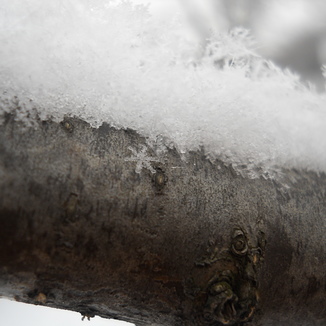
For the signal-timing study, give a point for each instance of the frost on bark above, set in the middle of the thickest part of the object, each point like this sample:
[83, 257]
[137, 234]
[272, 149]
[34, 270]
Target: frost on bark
[93, 221]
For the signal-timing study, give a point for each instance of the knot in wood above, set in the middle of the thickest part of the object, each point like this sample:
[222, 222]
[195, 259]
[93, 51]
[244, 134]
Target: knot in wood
[232, 294]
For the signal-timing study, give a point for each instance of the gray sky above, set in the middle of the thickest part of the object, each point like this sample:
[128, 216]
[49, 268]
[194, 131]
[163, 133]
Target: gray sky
[17, 314]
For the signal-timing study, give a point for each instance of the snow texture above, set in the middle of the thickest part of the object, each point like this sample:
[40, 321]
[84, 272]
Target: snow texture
[110, 61]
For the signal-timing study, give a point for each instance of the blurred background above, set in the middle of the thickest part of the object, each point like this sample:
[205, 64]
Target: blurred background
[14, 313]
[291, 33]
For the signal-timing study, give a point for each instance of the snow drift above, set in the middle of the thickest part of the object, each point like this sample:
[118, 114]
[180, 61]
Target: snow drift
[112, 62]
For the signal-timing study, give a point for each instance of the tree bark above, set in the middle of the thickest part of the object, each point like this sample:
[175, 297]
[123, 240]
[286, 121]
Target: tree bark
[186, 241]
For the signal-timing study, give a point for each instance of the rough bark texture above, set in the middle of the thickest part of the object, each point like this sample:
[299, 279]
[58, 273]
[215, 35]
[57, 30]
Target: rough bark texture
[191, 244]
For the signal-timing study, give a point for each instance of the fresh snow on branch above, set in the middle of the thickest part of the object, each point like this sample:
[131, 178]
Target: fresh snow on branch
[110, 61]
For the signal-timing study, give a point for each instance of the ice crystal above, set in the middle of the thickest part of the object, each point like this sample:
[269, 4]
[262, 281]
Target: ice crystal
[142, 159]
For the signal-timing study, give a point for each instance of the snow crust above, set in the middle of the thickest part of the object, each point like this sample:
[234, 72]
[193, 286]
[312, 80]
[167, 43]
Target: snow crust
[110, 61]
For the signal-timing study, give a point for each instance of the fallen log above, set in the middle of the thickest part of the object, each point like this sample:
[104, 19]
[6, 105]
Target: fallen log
[92, 220]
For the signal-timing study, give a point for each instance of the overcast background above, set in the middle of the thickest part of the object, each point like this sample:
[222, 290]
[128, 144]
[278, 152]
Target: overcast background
[15, 314]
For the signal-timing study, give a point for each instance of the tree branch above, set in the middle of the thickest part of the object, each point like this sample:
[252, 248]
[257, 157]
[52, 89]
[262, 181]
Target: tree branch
[182, 242]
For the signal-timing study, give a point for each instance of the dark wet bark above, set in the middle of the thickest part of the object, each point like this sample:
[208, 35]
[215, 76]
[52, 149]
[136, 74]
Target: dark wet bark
[191, 244]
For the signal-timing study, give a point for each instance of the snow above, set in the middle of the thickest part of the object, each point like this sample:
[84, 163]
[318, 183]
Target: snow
[112, 61]
[142, 159]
